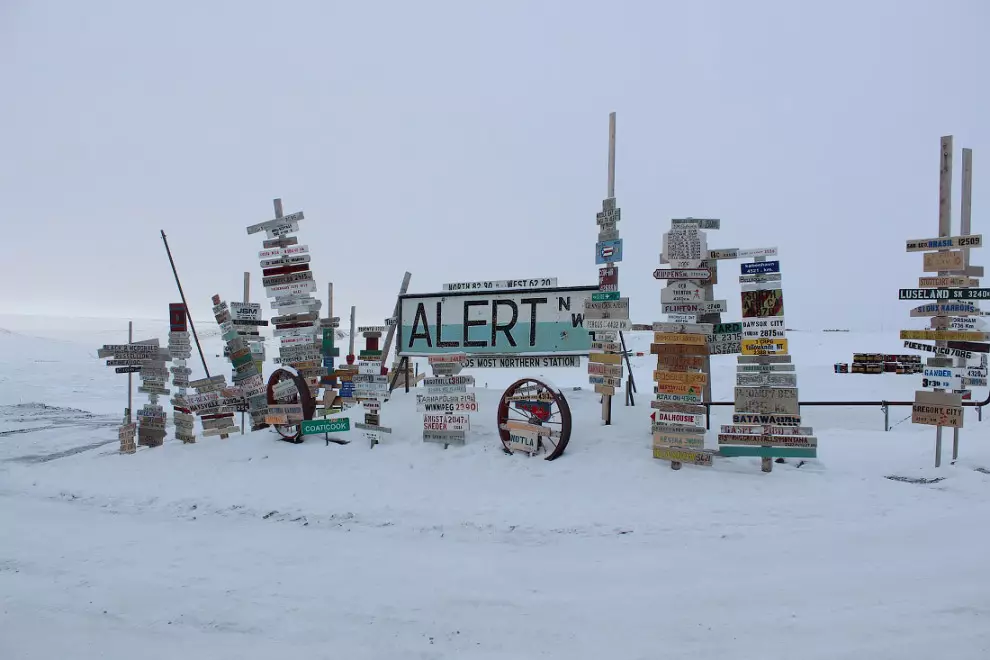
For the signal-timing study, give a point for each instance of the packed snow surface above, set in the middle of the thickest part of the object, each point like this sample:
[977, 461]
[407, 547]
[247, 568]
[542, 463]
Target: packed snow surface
[253, 548]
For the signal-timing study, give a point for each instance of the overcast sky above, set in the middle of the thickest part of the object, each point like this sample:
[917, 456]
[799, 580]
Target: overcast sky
[468, 140]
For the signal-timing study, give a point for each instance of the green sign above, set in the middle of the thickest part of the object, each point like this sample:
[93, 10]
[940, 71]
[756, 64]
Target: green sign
[328, 349]
[605, 295]
[244, 359]
[726, 328]
[370, 354]
[310, 426]
[769, 452]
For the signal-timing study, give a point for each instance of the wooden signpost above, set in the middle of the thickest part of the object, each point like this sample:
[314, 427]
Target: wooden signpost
[289, 282]
[147, 360]
[180, 349]
[954, 330]
[370, 384]
[685, 343]
[606, 314]
[248, 390]
[766, 385]
[446, 416]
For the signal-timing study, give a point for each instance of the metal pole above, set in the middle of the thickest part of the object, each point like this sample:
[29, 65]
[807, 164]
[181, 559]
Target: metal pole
[247, 299]
[186, 305]
[130, 386]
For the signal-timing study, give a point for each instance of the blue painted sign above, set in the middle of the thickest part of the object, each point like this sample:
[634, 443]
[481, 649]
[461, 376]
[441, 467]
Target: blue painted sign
[608, 251]
[347, 389]
[760, 268]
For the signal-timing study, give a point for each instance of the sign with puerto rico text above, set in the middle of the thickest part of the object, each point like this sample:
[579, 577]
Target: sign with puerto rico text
[535, 321]
[608, 252]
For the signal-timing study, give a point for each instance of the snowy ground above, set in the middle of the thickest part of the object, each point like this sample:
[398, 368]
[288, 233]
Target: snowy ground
[253, 548]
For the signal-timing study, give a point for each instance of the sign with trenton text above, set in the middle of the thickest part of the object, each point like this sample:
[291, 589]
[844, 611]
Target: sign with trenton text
[535, 321]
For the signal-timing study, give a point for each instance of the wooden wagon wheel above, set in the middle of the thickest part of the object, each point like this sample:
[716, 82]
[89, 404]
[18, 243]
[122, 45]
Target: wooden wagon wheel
[531, 401]
[291, 432]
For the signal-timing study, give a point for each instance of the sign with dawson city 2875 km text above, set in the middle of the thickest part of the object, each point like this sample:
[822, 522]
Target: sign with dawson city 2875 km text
[536, 321]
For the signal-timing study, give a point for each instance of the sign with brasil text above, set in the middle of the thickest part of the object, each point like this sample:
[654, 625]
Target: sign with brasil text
[534, 321]
[924, 244]
[943, 294]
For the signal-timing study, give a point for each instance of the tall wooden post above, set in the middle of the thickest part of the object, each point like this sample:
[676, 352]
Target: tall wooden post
[350, 350]
[607, 398]
[247, 299]
[944, 229]
[130, 379]
[966, 226]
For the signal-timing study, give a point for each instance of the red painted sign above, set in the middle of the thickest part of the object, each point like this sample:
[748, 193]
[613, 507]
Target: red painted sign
[608, 279]
[177, 317]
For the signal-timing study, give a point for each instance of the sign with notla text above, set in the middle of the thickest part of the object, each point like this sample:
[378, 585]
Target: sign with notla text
[535, 321]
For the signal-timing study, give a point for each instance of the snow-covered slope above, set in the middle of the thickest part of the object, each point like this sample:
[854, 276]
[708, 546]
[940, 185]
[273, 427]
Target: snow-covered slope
[253, 548]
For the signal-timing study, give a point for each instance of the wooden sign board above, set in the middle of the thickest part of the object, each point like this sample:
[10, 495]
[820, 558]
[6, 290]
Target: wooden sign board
[692, 456]
[762, 303]
[944, 261]
[701, 223]
[763, 346]
[933, 415]
[501, 285]
[928, 244]
[778, 420]
[610, 370]
[679, 349]
[728, 253]
[686, 440]
[680, 362]
[682, 273]
[754, 253]
[661, 398]
[607, 324]
[943, 294]
[946, 309]
[702, 307]
[767, 440]
[681, 419]
[944, 335]
[678, 388]
[684, 328]
[679, 338]
[765, 401]
[690, 378]
[766, 379]
[763, 359]
[947, 281]
[671, 406]
[605, 358]
[755, 328]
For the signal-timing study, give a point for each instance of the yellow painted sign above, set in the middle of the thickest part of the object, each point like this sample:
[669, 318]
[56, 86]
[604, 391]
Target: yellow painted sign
[945, 335]
[605, 358]
[686, 377]
[666, 439]
[763, 346]
[675, 338]
[683, 455]
[679, 388]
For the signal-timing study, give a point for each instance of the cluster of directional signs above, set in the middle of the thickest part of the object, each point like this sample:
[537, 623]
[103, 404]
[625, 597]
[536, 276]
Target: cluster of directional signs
[148, 360]
[958, 357]
[447, 404]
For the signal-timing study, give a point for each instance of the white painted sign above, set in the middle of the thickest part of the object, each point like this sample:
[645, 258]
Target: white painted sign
[756, 252]
[446, 422]
[703, 307]
[501, 285]
[283, 252]
[265, 226]
[763, 328]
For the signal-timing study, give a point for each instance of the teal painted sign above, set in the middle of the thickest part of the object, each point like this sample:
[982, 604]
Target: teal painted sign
[605, 295]
[507, 322]
[340, 425]
[328, 347]
[769, 452]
